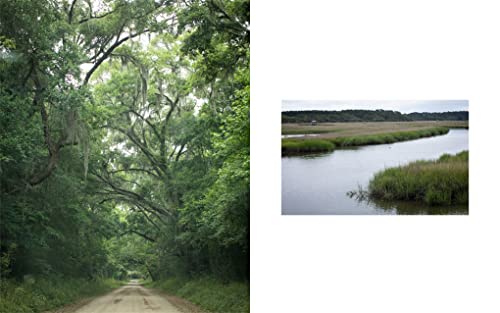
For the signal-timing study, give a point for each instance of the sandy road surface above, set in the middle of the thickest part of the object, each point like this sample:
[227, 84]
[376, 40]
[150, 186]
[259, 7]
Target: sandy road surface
[131, 298]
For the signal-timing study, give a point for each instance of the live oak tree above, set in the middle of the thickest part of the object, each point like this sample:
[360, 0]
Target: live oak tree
[50, 41]
[182, 173]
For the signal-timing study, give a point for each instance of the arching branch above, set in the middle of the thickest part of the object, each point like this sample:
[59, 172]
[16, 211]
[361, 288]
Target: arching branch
[108, 52]
[148, 238]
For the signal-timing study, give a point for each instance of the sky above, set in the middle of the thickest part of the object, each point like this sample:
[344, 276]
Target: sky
[403, 106]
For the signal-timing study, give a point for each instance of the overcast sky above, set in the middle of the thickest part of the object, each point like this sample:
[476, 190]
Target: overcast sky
[403, 106]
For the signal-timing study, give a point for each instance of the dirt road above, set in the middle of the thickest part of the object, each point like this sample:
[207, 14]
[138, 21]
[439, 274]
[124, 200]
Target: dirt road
[131, 298]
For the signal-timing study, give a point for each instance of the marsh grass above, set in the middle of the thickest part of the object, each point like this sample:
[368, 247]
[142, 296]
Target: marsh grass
[349, 129]
[441, 182]
[307, 145]
[291, 146]
[389, 137]
[309, 130]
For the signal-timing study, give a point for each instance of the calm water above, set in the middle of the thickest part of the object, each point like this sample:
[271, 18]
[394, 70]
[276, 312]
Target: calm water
[317, 184]
[299, 135]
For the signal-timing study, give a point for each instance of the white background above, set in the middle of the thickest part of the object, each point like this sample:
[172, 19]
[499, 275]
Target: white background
[375, 50]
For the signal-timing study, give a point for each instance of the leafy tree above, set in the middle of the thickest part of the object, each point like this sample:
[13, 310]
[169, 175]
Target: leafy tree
[369, 116]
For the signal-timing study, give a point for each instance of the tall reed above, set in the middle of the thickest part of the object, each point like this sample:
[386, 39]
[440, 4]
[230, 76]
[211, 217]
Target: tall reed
[441, 182]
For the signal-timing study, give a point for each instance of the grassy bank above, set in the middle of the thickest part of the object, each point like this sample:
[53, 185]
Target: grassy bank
[441, 182]
[210, 294]
[346, 129]
[389, 137]
[294, 146]
[305, 145]
[41, 294]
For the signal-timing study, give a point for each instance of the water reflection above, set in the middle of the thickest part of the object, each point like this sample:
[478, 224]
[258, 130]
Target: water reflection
[412, 208]
[298, 135]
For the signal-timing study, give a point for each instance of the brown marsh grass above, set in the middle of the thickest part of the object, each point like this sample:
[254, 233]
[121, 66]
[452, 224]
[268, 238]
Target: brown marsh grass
[335, 130]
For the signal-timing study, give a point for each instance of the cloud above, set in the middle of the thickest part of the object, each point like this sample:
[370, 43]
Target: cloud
[404, 106]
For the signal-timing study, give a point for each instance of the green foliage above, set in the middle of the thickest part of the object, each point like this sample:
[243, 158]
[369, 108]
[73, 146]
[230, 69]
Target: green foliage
[220, 39]
[41, 294]
[227, 200]
[209, 293]
[441, 182]
[369, 116]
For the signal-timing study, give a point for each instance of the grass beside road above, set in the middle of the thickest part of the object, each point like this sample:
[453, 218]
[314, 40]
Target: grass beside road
[210, 294]
[42, 294]
[441, 182]
[304, 145]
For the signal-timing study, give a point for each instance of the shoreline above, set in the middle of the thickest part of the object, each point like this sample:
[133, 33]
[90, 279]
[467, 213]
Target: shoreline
[306, 145]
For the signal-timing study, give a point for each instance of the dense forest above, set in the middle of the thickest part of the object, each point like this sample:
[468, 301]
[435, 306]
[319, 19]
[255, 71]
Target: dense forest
[124, 145]
[369, 116]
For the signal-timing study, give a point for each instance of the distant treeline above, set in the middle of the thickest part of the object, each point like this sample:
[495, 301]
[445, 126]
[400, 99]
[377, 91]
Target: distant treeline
[369, 116]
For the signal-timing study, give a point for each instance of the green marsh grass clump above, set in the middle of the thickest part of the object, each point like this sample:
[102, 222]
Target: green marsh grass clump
[42, 294]
[210, 294]
[388, 137]
[307, 145]
[291, 146]
[441, 182]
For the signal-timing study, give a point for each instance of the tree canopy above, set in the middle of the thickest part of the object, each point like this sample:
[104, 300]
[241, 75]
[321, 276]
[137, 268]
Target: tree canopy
[124, 138]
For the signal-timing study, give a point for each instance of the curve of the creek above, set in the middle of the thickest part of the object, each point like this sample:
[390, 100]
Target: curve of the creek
[319, 183]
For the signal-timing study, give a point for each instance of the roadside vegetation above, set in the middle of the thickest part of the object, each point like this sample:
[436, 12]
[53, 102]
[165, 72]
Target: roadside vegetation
[210, 294]
[304, 145]
[41, 294]
[441, 182]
